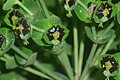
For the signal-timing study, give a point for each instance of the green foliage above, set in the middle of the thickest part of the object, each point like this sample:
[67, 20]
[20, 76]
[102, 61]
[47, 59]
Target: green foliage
[12, 76]
[9, 39]
[37, 38]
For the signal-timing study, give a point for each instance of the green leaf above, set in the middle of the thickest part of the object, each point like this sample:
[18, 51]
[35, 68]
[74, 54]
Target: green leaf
[6, 19]
[20, 59]
[117, 57]
[106, 37]
[90, 34]
[11, 76]
[117, 77]
[54, 20]
[36, 35]
[45, 24]
[31, 59]
[9, 3]
[81, 13]
[26, 51]
[37, 38]
[100, 39]
[118, 17]
[11, 63]
[34, 8]
[9, 39]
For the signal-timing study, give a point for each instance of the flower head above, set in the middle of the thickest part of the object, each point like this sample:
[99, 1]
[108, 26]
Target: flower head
[104, 10]
[109, 63]
[14, 15]
[23, 26]
[71, 2]
[55, 33]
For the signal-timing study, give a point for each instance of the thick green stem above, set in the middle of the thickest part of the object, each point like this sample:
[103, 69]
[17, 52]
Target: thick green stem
[66, 64]
[99, 50]
[44, 8]
[20, 52]
[25, 8]
[28, 69]
[94, 33]
[75, 33]
[108, 45]
[87, 66]
[82, 4]
[81, 55]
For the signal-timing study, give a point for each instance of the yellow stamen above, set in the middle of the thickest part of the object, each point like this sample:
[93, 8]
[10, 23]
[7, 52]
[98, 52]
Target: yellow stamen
[106, 11]
[56, 35]
[108, 65]
[20, 27]
[13, 17]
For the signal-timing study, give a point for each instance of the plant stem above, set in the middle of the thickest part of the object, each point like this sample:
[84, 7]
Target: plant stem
[108, 45]
[94, 47]
[81, 55]
[66, 64]
[75, 33]
[33, 71]
[99, 50]
[37, 64]
[105, 49]
[44, 8]
[82, 4]
[25, 8]
[28, 69]
[47, 71]
[94, 33]
[20, 52]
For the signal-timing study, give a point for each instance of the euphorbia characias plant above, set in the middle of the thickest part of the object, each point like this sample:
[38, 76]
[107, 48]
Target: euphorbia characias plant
[59, 39]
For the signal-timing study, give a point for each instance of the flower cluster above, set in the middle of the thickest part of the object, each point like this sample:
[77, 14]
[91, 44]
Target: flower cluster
[55, 33]
[19, 24]
[14, 15]
[104, 10]
[109, 63]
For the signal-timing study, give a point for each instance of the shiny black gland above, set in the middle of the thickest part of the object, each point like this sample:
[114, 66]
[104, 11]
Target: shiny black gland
[110, 62]
[15, 13]
[24, 26]
[1, 40]
[104, 10]
[55, 30]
